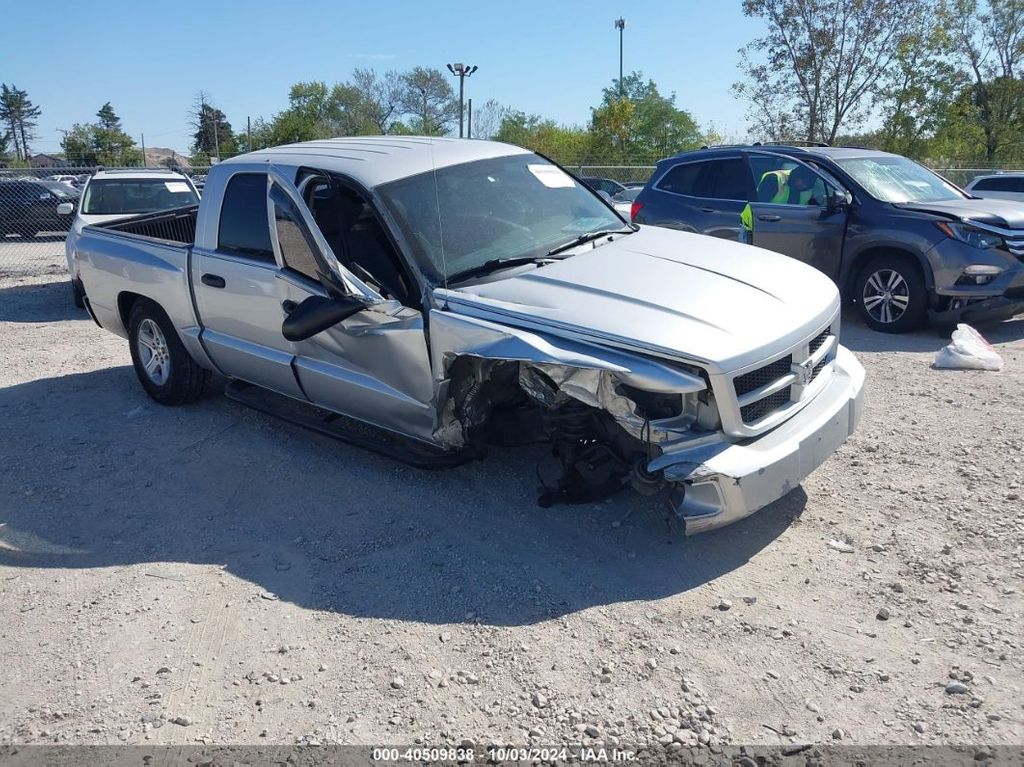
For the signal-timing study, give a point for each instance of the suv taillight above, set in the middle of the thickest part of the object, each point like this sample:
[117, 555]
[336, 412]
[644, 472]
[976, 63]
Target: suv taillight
[634, 209]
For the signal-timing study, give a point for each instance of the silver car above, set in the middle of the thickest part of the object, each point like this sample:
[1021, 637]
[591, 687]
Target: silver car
[432, 296]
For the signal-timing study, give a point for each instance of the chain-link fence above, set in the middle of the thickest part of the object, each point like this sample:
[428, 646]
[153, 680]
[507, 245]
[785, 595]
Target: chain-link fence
[37, 208]
[33, 227]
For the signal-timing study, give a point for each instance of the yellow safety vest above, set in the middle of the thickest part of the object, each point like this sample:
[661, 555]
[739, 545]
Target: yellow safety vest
[781, 197]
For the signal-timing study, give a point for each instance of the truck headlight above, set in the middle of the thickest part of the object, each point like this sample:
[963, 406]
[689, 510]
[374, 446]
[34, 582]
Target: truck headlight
[972, 235]
[979, 274]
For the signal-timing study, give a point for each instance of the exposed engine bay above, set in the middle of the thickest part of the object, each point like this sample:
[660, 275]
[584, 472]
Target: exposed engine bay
[602, 432]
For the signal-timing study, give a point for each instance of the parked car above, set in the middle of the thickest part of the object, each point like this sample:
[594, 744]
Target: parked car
[899, 240]
[29, 207]
[69, 180]
[112, 195]
[1008, 186]
[623, 201]
[609, 186]
[642, 355]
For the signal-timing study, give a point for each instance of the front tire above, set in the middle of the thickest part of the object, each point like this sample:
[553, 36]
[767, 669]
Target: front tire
[891, 294]
[165, 368]
[77, 293]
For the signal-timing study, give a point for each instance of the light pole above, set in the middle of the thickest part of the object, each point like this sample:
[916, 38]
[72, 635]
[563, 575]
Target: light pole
[620, 24]
[462, 71]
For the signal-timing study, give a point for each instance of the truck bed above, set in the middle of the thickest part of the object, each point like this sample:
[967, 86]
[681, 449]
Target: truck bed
[177, 225]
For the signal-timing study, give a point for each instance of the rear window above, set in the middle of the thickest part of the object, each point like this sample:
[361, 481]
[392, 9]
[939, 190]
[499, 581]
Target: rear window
[999, 184]
[244, 224]
[682, 179]
[124, 196]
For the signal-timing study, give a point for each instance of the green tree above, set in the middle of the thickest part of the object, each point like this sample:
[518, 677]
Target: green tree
[565, 144]
[816, 70]
[114, 146]
[429, 102]
[988, 43]
[19, 114]
[916, 91]
[642, 125]
[213, 137]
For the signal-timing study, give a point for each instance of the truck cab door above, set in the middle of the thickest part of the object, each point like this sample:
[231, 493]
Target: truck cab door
[814, 232]
[373, 366]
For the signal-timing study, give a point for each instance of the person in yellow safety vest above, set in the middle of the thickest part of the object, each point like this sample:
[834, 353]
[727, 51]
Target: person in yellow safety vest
[794, 186]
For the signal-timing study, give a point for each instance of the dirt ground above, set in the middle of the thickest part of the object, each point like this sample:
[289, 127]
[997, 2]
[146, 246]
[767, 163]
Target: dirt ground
[210, 574]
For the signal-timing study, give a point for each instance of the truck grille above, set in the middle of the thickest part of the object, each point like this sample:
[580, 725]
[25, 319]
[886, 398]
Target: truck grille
[780, 379]
[755, 379]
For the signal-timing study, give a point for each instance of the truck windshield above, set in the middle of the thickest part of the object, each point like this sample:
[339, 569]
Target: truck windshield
[138, 195]
[497, 210]
[897, 179]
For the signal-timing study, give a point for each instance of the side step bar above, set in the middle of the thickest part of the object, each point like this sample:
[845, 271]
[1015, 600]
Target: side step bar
[344, 429]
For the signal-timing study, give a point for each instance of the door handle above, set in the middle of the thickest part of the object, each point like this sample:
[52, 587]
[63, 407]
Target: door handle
[707, 210]
[213, 280]
[288, 306]
[769, 217]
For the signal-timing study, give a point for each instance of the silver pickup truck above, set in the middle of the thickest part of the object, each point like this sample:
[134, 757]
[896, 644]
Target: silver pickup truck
[425, 298]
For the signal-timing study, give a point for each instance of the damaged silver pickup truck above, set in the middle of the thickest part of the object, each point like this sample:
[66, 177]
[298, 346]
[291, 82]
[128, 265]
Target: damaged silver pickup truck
[427, 297]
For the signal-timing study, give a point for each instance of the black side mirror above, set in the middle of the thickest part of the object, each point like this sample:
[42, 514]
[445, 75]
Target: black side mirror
[838, 199]
[318, 313]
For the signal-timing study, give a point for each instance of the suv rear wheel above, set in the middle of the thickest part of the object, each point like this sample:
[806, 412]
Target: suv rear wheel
[891, 294]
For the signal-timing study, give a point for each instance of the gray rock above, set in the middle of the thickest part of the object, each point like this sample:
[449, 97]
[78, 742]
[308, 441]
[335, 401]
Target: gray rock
[397, 683]
[957, 688]
[592, 731]
[883, 614]
[184, 721]
[724, 605]
[539, 700]
[919, 727]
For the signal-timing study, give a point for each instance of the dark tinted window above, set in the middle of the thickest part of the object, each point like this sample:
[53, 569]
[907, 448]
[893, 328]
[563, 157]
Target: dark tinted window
[998, 184]
[244, 227]
[728, 180]
[682, 179]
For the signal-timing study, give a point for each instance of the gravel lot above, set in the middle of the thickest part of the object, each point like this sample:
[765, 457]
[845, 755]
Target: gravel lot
[209, 574]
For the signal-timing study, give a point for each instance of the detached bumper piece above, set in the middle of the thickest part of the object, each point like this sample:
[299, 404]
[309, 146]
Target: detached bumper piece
[723, 482]
[978, 312]
[345, 429]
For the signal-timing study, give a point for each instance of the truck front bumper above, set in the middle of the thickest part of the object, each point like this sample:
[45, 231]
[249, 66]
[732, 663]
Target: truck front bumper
[722, 483]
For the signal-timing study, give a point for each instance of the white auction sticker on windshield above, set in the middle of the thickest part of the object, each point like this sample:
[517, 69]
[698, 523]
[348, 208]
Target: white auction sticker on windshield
[177, 186]
[552, 177]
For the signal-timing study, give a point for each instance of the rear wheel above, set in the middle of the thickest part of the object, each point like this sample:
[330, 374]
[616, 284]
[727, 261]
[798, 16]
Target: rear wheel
[891, 294]
[165, 368]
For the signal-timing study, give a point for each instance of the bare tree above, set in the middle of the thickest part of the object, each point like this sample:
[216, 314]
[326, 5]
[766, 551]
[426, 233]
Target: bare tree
[487, 118]
[381, 96]
[817, 67]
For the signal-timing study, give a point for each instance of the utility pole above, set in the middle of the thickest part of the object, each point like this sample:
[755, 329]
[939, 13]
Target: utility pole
[469, 120]
[145, 164]
[248, 134]
[620, 24]
[462, 71]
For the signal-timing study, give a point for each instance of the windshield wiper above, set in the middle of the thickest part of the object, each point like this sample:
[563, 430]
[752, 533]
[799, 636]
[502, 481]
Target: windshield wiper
[494, 265]
[587, 238]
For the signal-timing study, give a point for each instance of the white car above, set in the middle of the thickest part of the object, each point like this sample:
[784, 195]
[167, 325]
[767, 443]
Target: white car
[69, 180]
[115, 194]
[1008, 186]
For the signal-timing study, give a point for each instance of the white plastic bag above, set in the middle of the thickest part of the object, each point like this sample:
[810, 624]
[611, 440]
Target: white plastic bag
[968, 351]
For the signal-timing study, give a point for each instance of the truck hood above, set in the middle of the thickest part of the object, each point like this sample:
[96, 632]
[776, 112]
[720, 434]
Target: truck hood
[1006, 214]
[669, 293]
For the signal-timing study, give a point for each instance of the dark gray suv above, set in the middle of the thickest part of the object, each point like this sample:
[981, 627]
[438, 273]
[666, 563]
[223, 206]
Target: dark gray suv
[899, 240]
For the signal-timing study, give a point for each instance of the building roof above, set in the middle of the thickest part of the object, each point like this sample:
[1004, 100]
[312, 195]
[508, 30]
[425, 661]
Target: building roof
[376, 160]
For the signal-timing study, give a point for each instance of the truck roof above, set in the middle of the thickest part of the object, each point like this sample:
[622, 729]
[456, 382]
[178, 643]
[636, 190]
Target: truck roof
[376, 160]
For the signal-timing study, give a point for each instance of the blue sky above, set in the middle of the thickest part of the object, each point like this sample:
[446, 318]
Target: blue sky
[150, 59]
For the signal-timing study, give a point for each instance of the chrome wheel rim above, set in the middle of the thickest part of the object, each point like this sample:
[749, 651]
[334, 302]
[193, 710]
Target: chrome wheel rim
[153, 352]
[886, 296]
